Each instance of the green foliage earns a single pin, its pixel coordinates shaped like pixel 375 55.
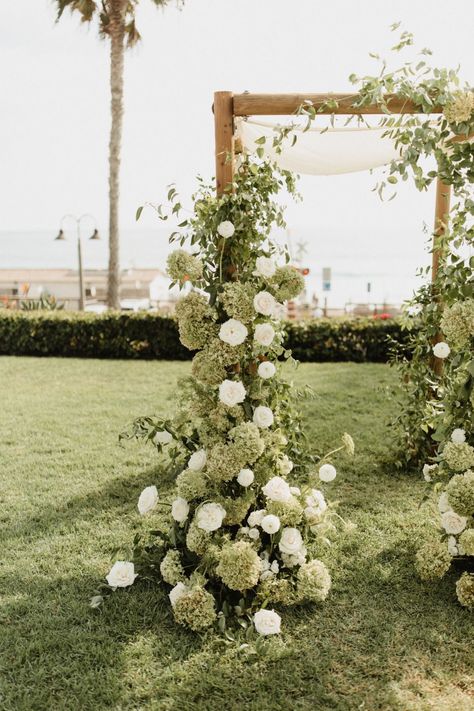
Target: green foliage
pixel 44 303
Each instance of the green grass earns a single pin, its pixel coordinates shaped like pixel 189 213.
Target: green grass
pixel 383 640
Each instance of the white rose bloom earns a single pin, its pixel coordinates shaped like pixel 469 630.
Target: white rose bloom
pixel 458 436
pixel 265 267
pixel 312 515
pixel 197 460
pixel 264 303
pixel 291 541
pixel 294 559
pixel 122 574
pixel 443 503
pixel 317 501
pixel 231 392
pixel 327 473
pixel 453 523
pixel 210 517
pixel 271 523
pixel 147 500
pixel 277 489
pixel 295 490
pixel 263 416
pixel 253 534
pixel 285 465
pixel 427 471
pixel 163 437
pixel 226 229
pixel 267 622
pixel 180 509
pixel 233 332
pixel 264 334
pixel 441 350
pixel 266 370
pixel 178 591
pixel 256 517
pixel 245 477
pixel 452 546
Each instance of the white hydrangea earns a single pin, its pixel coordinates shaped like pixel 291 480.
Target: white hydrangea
pixel 277 489
pixel 148 500
pixel 264 303
pixel 267 622
pixel 266 370
pixel 265 267
pixel 285 465
pixel 180 509
pixel 231 392
pixel 197 460
pixel 209 517
pixel 327 473
pixel 233 332
pixel 458 436
pixel 226 229
pixel 263 416
pixel 264 334
pixel 270 523
pixel 452 523
pixel 441 350
pixel 245 477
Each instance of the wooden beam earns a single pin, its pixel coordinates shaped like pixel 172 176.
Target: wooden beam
pixel 443 198
pixel 224 132
pixel 287 104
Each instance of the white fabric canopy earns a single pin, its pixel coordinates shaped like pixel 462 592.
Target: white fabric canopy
pixel 323 152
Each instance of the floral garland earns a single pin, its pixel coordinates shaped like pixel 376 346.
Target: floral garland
pixel 243 528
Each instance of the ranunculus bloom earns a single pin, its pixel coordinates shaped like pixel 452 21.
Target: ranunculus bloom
pixel 122 574
pixel 263 416
pixel 163 437
pixel 453 523
pixel 270 523
pixel 264 303
pixel 226 229
pixel 148 499
pixel 265 267
pixel 264 334
pixel 267 622
pixel 197 460
pixel 266 370
pixel 231 392
pixel 277 489
pixel 291 541
pixel 327 473
pixel 458 436
pixel 178 591
pixel 245 477
pixel 233 332
pixel 209 517
pixel 441 350
pixel 180 509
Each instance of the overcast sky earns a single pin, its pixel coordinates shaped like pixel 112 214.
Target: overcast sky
pixel 55 109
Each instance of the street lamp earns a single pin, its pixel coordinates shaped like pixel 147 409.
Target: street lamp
pixel 61 236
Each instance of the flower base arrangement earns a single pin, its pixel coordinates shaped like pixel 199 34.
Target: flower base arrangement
pixel 245 527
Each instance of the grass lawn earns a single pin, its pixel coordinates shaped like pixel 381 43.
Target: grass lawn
pixel 68 493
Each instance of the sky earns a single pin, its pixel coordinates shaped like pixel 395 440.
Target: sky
pixel 54 122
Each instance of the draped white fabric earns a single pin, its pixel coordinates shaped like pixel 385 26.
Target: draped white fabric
pixel 318 152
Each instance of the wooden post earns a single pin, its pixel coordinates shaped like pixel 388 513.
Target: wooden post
pixel 224 132
pixel 443 196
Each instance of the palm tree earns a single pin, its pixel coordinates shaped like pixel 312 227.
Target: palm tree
pixel 116 19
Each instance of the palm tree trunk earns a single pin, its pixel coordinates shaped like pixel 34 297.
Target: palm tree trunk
pixel 117 51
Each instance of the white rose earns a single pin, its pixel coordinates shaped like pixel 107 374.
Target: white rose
pixel 265 267
pixel 264 303
pixel 277 489
pixel 233 332
pixel 178 591
pixel 264 334
pixel 267 622
pixel 452 546
pixel 147 500
pixel 327 473
pixel 295 490
pixel 256 517
pixel 245 477
pixel 197 460
pixel 226 229
pixel 291 560
pixel 180 509
pixel 266 370
pixel 122 574
pixel 285 465
pixel 443 503
pixel 231 392
pixel 317 501
pixel 210 516
pixel 263 416
pixel 441 350
pixel 163 437
pixel 453 523
pixel 458 436
pixel 291 541
pixel 271 523
pixel 427 471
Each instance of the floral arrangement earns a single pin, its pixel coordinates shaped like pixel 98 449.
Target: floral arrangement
pixel 247 521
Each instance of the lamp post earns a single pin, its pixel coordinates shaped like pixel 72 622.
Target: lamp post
pixel 95 235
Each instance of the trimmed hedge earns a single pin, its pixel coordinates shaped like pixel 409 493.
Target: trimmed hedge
pixel 151 336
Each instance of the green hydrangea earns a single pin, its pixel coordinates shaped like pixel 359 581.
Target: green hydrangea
pixel 247 441
pixel 314 581
pixel 465 590
pixel 224 462
pixel 239 566
pixel 457 323
pixel 459 457
pixel 287 283
pixel 197 540
pixel 460 108
pixel 278 591
pixel 195 321
pixel 209 366
pixel 237 507
pixel 223 418
pixel 289 512
pixel 237 300
pixel 195 609
pixel 182 266
pixel 466 540
pixel 432 560
pixel 192 485
pixel 171 569
pixel 460 492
